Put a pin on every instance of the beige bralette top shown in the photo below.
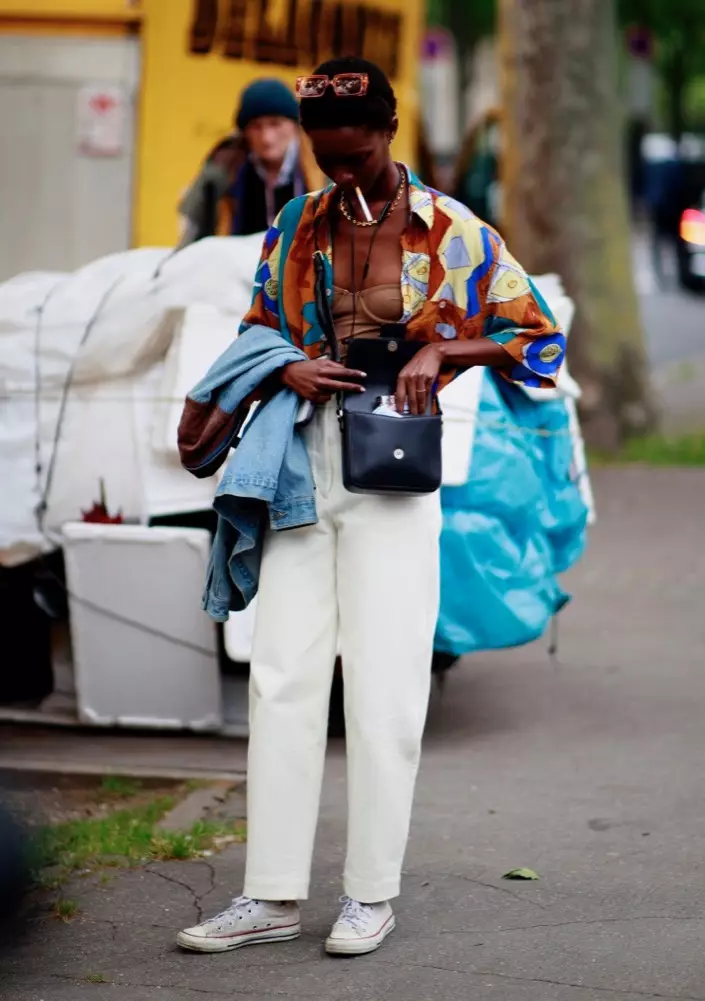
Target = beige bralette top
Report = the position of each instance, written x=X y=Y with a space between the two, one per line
x=370 y=309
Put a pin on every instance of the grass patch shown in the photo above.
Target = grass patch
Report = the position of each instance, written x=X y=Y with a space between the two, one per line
x=123 y=838
x=95 y=978
x=65 y=910
x=658 y=450
x=119 y=787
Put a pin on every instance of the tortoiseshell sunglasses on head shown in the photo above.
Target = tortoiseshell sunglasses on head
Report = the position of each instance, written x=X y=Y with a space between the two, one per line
x=343 y=84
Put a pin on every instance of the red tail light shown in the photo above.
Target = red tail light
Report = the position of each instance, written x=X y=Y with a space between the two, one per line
x=693 y=227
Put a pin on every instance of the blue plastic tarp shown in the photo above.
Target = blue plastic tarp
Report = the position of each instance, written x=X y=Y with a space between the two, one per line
x=518 y=522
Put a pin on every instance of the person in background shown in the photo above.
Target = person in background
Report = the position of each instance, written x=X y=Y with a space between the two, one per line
x=664 y=198
x=250 y=175
x=476 y=183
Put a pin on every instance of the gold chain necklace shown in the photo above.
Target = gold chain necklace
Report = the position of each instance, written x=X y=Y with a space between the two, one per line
x=374 y=222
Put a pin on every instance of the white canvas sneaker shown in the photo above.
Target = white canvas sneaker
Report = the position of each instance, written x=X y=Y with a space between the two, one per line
x=245 y=922
x=361 y=928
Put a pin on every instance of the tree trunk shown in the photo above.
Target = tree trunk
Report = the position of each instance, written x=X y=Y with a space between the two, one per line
x=565 y=201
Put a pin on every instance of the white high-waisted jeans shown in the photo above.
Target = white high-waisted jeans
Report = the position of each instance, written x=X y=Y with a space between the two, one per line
x=368 y=575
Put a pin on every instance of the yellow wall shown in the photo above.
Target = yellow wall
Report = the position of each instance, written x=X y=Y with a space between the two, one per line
x=108 y=9
x=188 y=102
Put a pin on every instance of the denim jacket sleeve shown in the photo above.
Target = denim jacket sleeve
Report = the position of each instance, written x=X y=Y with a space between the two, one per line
x=217 y=406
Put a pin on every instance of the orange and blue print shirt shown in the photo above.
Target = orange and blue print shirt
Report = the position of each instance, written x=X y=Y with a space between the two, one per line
x=458 y=280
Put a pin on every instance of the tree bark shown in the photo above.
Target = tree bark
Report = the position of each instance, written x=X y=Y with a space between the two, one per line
x=565 y=201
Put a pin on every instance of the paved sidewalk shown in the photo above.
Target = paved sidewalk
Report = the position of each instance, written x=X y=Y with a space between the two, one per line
x=590 y=772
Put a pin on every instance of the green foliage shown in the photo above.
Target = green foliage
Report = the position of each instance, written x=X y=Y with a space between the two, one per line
x=65 y=910
x=468 y=21
x=679 y=33
x=678 y=27
x=695 y=103
x=658 y=450
x=120 y=786
x=670 y=21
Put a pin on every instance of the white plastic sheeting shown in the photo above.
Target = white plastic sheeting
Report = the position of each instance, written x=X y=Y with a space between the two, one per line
x=92 y=376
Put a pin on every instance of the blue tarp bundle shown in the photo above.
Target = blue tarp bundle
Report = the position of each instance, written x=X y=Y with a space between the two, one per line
x=517 y=523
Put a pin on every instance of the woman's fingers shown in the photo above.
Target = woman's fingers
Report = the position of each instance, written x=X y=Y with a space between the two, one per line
x=340 y=371
x=414 y=397
x=424 y=393
x=340 y=387
x=413 y=388
x=402 y=393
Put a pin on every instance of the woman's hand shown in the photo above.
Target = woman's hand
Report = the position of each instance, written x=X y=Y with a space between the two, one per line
x=319 y=380
x=416 y=379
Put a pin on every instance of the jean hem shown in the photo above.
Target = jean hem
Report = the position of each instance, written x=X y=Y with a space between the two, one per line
x=371 y=892
x=285 y=888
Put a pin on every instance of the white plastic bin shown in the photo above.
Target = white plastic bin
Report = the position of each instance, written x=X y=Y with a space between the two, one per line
x=145 y=655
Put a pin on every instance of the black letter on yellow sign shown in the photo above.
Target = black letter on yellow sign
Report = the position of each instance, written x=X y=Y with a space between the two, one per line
x=234 y=32
x=204 y=26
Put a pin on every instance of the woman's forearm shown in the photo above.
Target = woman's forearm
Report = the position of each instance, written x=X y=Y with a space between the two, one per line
x=466 y=354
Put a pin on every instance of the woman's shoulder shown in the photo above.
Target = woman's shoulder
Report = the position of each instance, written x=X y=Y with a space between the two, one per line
x=430 y=203
x=460 y=214
x=452 y=220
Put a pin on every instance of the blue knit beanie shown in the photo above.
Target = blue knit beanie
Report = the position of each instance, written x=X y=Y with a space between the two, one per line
x=265 y=98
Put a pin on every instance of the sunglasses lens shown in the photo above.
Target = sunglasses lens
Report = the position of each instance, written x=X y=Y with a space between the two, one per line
x=350 y=86
x=311 y=86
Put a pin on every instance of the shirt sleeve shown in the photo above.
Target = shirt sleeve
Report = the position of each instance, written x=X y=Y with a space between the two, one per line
x=266 y=301
x=516 y=315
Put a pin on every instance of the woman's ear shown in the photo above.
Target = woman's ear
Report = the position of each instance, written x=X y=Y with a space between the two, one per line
x=393 y=129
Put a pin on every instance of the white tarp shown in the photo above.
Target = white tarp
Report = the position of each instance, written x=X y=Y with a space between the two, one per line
x=85 y=386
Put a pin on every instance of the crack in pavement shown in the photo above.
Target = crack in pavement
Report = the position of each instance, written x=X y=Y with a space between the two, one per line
x=211 y=872
x=589 y=987
x=502 y=889
x=181 y=987
x=567 y=924
x=197 y=898
x=184 y=886
x=552 y=983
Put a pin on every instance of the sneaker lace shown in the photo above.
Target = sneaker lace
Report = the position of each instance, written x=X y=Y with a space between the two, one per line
x=235 y=909
x=354 y=914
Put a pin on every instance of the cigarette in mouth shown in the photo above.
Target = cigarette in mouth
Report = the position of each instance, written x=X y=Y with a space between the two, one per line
x=363 y=205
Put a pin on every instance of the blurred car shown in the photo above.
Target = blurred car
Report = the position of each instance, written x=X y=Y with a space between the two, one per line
x=674 y=196
x=691 y=247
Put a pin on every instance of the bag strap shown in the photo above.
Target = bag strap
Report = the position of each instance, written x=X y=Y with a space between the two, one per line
x=325 y=318
x=323 y=309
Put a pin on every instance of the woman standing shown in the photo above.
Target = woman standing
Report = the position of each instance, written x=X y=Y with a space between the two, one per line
x=367 y=573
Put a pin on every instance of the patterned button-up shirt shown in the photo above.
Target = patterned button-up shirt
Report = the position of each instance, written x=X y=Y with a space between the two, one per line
x=458 y=280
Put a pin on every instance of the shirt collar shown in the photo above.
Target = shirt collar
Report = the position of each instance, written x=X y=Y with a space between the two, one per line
x=420 y=199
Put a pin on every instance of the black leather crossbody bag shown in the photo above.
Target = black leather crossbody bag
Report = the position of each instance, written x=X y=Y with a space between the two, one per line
x=381 y=454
